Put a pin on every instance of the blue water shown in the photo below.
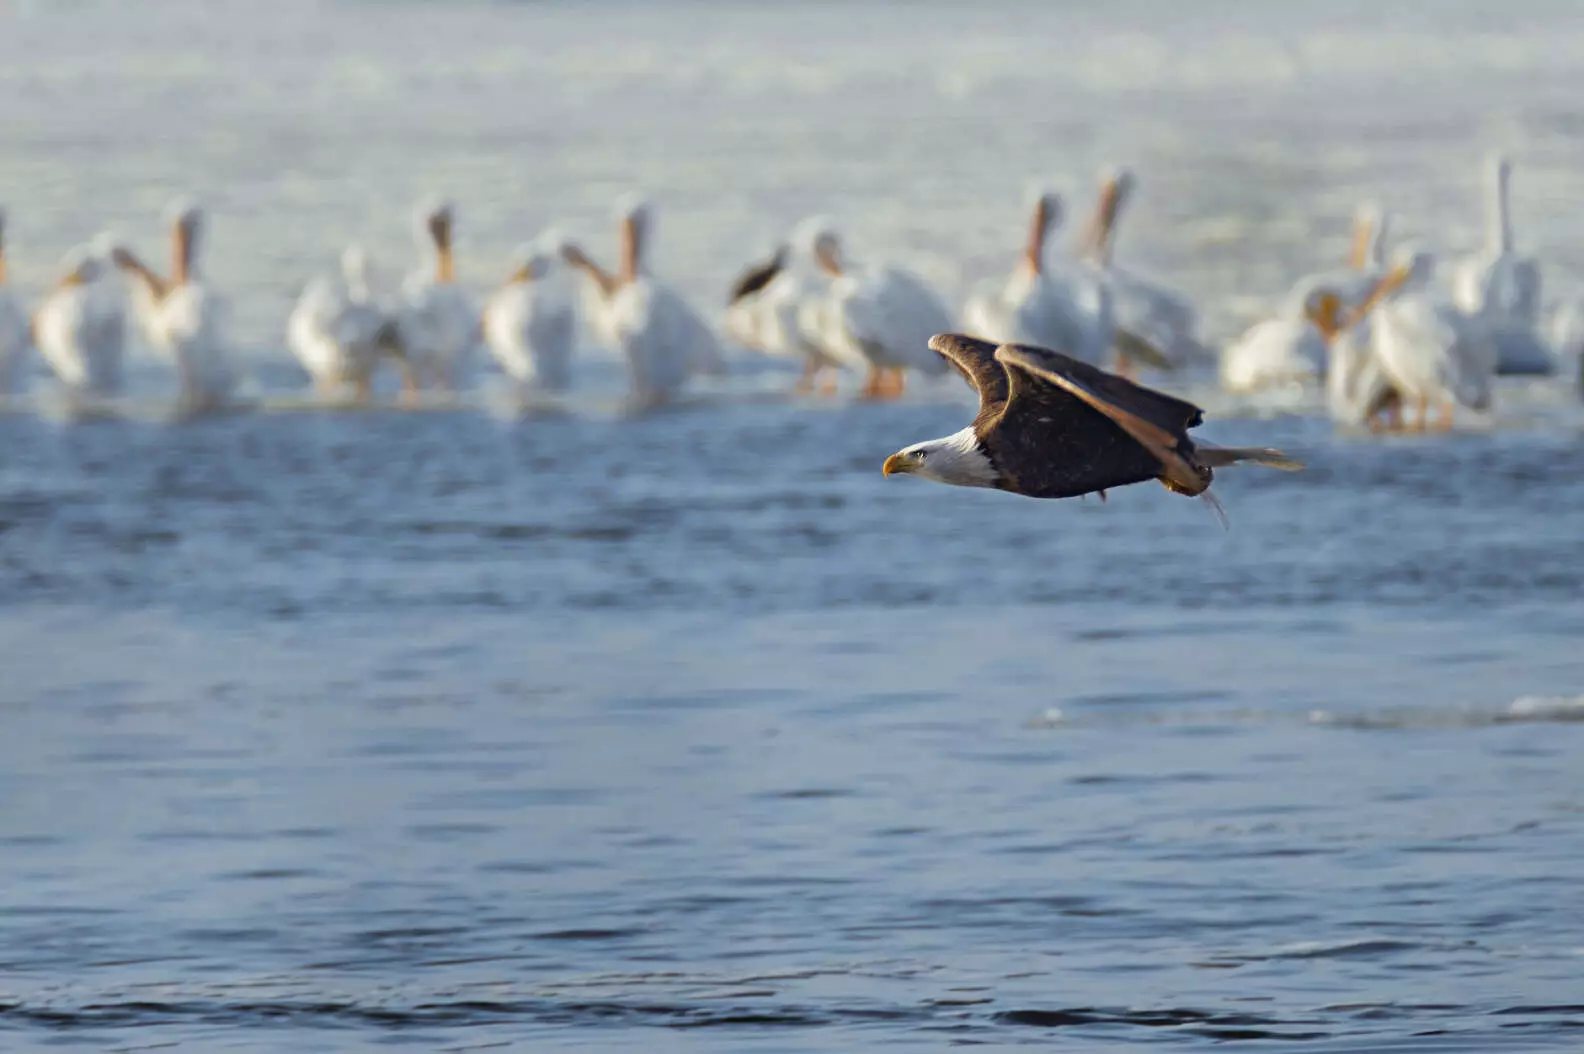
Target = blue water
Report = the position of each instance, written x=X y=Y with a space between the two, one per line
x=450 y=730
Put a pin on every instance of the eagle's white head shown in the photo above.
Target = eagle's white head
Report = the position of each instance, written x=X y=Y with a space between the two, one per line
x=957 y=459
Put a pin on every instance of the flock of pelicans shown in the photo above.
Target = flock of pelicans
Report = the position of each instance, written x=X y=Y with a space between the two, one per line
x=1391 y=351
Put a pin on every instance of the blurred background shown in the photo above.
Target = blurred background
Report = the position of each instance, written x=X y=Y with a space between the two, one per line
x=323 y=731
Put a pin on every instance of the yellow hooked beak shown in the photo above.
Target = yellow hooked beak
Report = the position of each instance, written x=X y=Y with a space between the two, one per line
x=897 y=463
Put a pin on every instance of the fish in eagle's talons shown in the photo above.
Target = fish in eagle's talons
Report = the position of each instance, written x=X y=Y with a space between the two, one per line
x=1051 y=426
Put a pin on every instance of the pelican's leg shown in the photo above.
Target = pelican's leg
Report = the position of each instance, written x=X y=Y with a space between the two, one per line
x=897 y=382
x=1448 y=415
x=805 y=383
x=1394 y=415
x=1422 y=414
x=871 y=384
x=827 y=387
x=409 y=390
x=887 y=388
x=363 y=390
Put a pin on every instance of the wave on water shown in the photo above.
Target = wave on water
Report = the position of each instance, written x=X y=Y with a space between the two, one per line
x=1563 y=710
x=970 y=1017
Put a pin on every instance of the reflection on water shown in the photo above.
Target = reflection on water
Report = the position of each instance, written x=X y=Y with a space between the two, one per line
x=328 y=731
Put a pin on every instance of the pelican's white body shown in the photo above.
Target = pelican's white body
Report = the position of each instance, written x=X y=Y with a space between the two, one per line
x=786 y=319
x=1430 y=351
x=81 y=334
x=188 y=327
x=1163 y=317
x=1141 y=305
x=1497 y=281
x=335 y=327
x=664 y=341
x=531 y=330
x=1501 y=287
x=439 y=325
x=1067 y=307
x=884 y=317
x=790 y=307
x=1356 y=384
x=1276 y=352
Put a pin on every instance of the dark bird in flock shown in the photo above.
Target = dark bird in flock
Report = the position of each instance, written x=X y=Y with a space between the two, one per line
x=755 y=278
x=1051 y=426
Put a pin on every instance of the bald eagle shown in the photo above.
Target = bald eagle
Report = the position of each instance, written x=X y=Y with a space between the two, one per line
x=1051 y=426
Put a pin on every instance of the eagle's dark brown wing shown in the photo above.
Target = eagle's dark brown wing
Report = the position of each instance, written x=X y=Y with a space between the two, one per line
x=758 y=276
x=1157 y=422
x=1046 y=442
x=976 y=360
x=1164 y=411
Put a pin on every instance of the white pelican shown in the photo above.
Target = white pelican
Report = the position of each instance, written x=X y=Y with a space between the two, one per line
x=1161 y=316
x=1034 y=306
x=339 y=332
x=183 y=316
x=1294 y=346
x=15 y=329
x=80 y=327
x=1288 y=349
x=776 y=308
x=529 y=326
x=1431 y=352
x=1497 y=280
x=745 y=303
x=1069 y=307
x=881 y=317
x=1501 y=286
x=1358 y=391
x=663 y=339
x=438 y=322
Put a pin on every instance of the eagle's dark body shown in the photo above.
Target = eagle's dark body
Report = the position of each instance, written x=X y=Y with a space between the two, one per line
x=1052 y=426
x=1046 y=442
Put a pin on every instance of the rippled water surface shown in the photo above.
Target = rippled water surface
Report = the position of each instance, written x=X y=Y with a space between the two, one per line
x=450 y=730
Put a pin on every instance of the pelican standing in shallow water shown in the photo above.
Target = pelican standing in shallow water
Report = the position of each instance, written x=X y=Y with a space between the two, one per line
x=1432 y=353
x=80 y=327
x=339 y=332
x=16 y=333
x=1071 y=307
x=1294 y=347
x=438 y=323
x=663 y=339
x=879 y=317
x=775 y=309
x=1501 y=287
x=529 y=326
x=744 y=303
x=1497 y=280
x=182 y=315
x=1161 y=316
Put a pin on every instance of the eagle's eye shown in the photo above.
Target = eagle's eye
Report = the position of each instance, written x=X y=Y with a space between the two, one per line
x=920 y=455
